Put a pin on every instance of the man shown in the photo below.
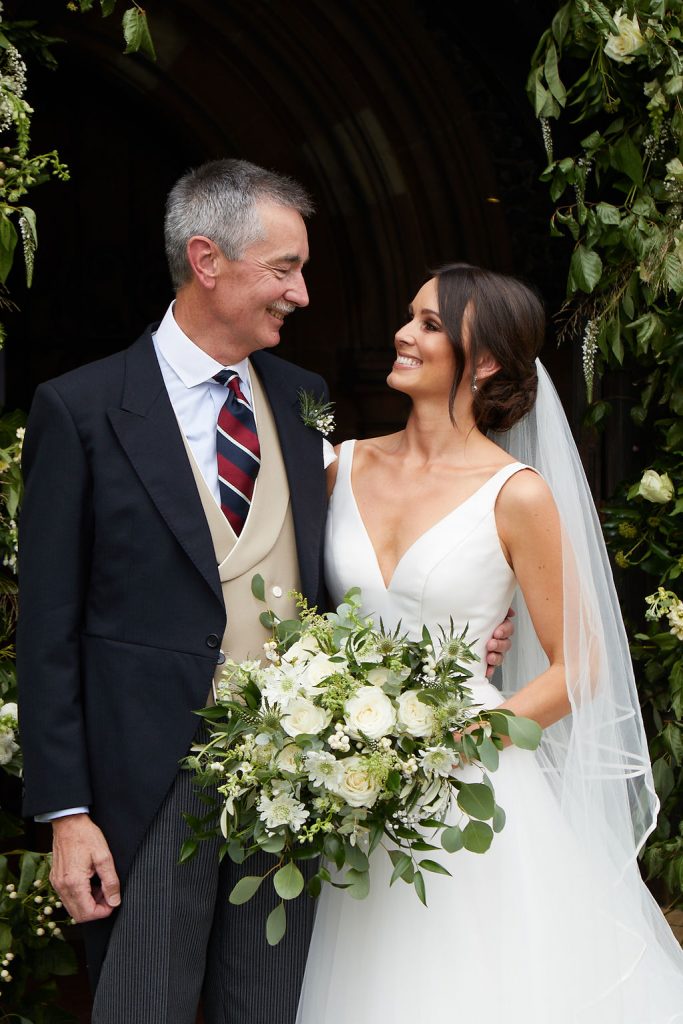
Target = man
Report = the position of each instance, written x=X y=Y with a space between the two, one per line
x=147 y=512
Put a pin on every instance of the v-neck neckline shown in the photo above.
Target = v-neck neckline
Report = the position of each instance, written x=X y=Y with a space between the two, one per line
x=439 y=522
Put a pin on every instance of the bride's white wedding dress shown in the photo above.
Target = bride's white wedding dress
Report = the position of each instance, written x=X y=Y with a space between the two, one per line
x=535 y=931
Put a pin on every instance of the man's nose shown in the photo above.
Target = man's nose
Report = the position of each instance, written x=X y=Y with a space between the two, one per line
x=297 y=291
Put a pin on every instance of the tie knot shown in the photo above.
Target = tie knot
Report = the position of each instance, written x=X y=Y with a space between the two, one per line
x=230 y=379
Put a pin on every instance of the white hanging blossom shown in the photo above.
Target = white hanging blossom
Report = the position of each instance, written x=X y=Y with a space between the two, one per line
x=589 y=350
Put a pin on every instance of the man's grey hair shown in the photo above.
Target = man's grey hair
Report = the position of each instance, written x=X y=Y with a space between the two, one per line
x=219 y=200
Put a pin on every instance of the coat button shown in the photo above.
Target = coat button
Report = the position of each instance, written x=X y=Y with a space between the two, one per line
x=212 y=640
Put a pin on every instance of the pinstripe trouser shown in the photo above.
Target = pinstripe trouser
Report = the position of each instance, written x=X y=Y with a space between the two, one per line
x=176 y=937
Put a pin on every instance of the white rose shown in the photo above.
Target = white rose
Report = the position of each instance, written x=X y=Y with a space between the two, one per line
x=656 y=488
x=624 y=46
x=416 y=718
x=9 y=711
x=8 y=747
x=304 y=717
x=356 y=786
x=318 y=668
x=369 y=712
x=378 y=676
x=302 y=650
x=288 y=757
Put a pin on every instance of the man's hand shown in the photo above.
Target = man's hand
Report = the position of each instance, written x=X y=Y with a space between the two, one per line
x=499 y=644
x=79 y=852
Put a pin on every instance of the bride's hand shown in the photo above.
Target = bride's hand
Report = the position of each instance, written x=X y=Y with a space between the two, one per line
x=499 y=644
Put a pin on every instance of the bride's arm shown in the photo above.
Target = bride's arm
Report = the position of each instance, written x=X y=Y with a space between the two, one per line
x=529 y=529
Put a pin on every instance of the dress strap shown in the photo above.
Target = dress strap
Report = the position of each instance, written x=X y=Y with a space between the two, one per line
x=345 y=460
x=495 y=484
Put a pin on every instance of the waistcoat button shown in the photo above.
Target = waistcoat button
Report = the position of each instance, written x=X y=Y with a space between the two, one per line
x=212 y=640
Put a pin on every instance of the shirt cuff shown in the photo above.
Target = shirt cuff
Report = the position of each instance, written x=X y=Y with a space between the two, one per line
x=329 y=455
x=51 y=815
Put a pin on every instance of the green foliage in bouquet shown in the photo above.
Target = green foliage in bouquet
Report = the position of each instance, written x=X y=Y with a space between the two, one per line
x=32 y=946
x=616 y=70
x=347 y=740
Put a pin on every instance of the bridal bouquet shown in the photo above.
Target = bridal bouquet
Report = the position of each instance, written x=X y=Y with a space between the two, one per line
x=347 y=738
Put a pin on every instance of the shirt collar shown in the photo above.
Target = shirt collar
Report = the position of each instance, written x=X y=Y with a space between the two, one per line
x=191 y=363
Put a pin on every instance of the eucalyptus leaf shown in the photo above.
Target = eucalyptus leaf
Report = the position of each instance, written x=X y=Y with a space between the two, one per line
x=476 y=800
x=452 y=839
x=258 y=587
x=243 y=891
x=498 y=822
x=524 y=732
x=477 y=836
x=355 y=858
x=487 y=753
x=288 y=881
x=276 y=924
x=402 y=864
x=358 y=883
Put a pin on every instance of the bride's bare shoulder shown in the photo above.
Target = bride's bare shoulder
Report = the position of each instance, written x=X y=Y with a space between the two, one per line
x=524 y=495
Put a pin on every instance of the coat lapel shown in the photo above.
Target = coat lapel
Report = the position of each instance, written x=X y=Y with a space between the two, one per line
x=303 y=457
x=148 y=431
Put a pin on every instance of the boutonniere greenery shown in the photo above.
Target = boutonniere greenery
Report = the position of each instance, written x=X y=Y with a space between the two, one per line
x=316 y=413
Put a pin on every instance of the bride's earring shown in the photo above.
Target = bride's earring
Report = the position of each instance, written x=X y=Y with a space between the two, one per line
x=474 y=384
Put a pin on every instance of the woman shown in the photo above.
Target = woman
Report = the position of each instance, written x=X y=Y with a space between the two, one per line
x=552 y=925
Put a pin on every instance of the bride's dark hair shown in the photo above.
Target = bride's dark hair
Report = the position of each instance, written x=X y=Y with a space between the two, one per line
x=506 y=319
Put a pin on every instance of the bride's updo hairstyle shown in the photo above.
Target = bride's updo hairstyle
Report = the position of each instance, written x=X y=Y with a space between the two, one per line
x=504 y=319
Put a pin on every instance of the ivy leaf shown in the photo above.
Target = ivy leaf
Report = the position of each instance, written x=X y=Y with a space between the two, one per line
x=560 y=24
x=107 y=7
x=136 y=33
x=607 y=213
x=663 y=778
x=673 y=270
x=585 y=269
x=276 y=925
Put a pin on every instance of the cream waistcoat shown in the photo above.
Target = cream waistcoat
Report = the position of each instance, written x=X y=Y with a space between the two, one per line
x=266 y=545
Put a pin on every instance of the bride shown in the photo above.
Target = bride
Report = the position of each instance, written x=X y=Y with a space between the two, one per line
x=553 y=925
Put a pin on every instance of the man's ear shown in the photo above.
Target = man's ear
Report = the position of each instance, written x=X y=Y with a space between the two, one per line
x=486 y=366
x=204 y=256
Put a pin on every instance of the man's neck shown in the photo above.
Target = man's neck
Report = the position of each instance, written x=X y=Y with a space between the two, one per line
x=197 y=323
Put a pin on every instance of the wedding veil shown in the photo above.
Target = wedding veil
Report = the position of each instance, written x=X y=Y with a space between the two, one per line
x=596 y=760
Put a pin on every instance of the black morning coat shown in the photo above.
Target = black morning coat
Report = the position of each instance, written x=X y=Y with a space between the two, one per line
x=121 y=611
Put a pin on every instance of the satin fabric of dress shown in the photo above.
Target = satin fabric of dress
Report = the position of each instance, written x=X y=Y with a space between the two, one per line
x=531 y=932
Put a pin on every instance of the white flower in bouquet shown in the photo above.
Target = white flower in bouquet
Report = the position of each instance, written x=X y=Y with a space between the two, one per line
x=302 y=650
x=378 y=676
x=416 y=718
x=629 y=41
x=370 y=713
x=289 y=758
x=10 y=711
x=8 y=747
x=437 y=760
x=319 y=668
x=357 y=786
x=282 y=809
x=303 y=717
x=323 y=769
x=280 y=684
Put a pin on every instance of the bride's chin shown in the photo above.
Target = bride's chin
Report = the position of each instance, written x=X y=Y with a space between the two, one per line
x=394 y=381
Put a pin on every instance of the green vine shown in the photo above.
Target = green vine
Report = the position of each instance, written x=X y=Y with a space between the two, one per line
x=619 y=198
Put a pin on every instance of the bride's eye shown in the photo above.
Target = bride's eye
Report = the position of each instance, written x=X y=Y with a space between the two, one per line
x=429 y=325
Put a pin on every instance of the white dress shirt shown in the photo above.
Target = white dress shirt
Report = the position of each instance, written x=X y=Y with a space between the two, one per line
x=197 y=400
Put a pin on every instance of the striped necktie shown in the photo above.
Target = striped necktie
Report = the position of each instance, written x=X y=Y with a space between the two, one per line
x=237 y=451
